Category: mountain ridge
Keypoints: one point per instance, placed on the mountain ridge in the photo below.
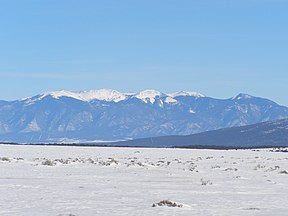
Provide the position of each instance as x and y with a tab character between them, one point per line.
111	95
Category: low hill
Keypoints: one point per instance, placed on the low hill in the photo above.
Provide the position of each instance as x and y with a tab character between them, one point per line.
267	134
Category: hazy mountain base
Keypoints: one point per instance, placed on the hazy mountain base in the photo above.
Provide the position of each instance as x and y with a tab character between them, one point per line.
267	134
49	180
261	135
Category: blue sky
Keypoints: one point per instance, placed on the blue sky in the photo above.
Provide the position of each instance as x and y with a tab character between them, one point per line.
218	47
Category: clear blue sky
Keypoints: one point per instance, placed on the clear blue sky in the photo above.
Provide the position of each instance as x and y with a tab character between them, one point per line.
218	47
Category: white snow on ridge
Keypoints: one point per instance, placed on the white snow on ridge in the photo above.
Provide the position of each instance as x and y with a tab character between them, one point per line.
242	96
63	93
150	96
184	93
101	94
147	96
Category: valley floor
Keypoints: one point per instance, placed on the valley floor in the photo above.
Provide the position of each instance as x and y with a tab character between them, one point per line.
84	181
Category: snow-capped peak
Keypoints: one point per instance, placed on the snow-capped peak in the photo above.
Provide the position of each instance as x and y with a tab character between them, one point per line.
148	95
101	94
184	93
62	93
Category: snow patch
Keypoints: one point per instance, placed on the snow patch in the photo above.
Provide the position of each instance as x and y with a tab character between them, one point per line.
103	94
32	127
242	96
184	93
191	111
148	96
170	100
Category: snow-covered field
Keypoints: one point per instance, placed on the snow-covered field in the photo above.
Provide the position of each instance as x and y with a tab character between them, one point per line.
50	180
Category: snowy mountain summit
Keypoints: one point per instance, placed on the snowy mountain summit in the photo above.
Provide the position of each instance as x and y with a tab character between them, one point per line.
105	114
147	96
101	94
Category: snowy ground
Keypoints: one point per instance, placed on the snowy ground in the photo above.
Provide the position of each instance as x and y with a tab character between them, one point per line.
49	180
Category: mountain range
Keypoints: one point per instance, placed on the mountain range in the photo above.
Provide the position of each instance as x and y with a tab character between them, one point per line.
109	115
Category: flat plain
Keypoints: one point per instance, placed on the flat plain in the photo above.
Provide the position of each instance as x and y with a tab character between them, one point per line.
62	181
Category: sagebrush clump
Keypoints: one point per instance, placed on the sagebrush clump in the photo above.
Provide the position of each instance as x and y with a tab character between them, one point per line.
167	203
